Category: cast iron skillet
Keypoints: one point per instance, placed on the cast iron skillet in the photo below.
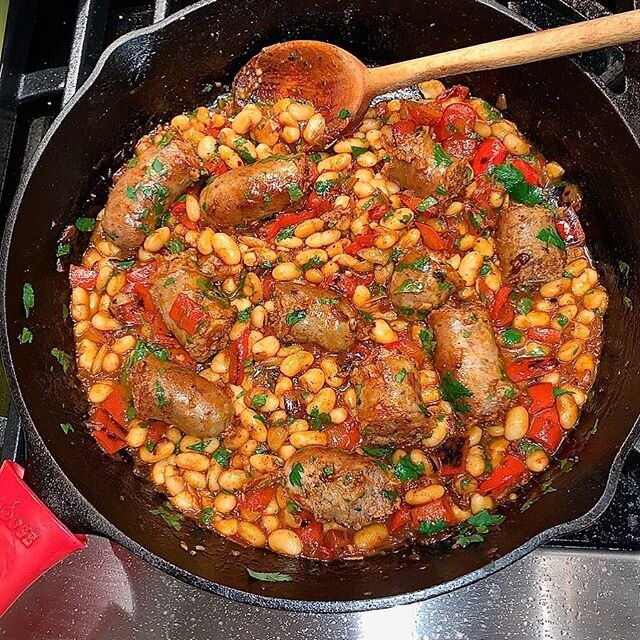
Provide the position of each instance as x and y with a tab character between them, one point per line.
159	71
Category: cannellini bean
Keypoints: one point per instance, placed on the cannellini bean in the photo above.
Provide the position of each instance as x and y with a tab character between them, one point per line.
338	162
315	128
285	541
585	281
567	410
370	537
104	321
312	380
569	351
537	460
193	461
302	439
295	363
479	503
424	495
161	451
196	479
470	267
137	436
99	392
265	463
225	502
228	527
382	333
286	272
323	401
226	248
436	437
516	423
157	239
251	534
232	479
516	145
265	348
556	287
322	239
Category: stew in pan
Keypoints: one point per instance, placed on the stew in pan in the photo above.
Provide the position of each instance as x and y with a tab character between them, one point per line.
333	352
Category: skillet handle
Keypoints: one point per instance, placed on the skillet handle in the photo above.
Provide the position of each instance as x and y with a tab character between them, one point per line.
32	539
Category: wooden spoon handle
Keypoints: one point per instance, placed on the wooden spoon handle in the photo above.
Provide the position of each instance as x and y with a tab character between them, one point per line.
541	45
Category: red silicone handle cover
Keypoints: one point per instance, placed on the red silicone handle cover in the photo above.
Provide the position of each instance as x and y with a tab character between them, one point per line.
32	539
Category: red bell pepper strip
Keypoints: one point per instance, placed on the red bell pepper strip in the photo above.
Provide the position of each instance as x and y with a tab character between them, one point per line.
311	535
104	420
570	228
347	284
335	540
489	154
216	167
179	212
403	128
460	146
424	113
116	405
345	435
155	431
511	469
317	204
430	237
409	348
541	396
545	335
186	313
545	429
267	286
257	500
502	312
379	211
399	518
109	443
524	369
237	355
142	273
145	296
286	220
361	242
457	119
82	277
529	173
457	91
439	509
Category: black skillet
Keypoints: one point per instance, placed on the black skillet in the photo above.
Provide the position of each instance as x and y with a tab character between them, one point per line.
159	71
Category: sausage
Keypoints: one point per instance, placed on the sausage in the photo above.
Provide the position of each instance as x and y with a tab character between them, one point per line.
144	192
338	486
167	392
256	191
413	166
388	400
467	354
421	282
307	314
524	258
193	308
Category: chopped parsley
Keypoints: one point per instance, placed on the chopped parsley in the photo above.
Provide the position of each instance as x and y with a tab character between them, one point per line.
410	286
401	375
285	233
527	447
623	267
158	167
258	401
131	413
269	577
199	446
426	339
222	456
292	507
295	477
64	359
63	249
161	396
172	518
512	337
241	148
454	392
562	320
66	428
524	306
328	300
358	151
295	192
378	452
323	187
513	181
144	349
441	157
165	140
427	203
421	264
473	528
207	88
206	515
25	337
561	392
318	420
175	245
85	224
407	469
295	316
550	236
244	315
124	264
343	114
431	528
28	298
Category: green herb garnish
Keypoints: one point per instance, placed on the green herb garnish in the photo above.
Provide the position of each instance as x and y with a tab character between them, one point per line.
454	392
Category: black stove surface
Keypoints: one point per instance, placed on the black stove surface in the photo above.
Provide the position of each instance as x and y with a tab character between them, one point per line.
51	47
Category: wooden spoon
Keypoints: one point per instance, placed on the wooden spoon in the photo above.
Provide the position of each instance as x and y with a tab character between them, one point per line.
341	87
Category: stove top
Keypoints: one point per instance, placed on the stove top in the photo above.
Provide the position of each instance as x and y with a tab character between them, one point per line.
50	49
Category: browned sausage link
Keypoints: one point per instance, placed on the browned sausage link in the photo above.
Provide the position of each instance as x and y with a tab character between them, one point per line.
467	354
342	487
389	400
257	191
145	191
164	391
413	166
213	317
421	282
521	242
311	315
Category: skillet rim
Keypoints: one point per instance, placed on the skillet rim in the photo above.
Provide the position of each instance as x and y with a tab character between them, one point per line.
106	528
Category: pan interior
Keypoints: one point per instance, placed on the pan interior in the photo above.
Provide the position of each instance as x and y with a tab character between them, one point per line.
162	72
